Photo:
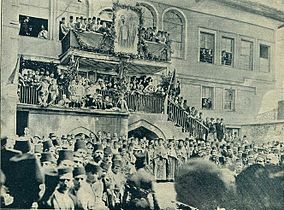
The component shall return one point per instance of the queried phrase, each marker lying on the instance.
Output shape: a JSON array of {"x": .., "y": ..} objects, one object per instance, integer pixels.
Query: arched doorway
[
  {"x": 141, "y": 132},
  {"x": 142, "y": 128}
]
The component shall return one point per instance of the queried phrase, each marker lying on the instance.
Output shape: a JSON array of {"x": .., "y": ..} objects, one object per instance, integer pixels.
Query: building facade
[{"x": 227, "y": 54}]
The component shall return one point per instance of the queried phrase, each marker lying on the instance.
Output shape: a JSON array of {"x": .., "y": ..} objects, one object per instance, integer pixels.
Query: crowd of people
[
  {"x": 81, "y": 24},
  {"x": 107, "y": 92},
  {"x": 92, "y": 172}
]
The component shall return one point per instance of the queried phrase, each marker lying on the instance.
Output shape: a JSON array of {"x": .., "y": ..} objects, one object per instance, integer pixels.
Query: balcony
[
  {"x": 150, "y": 103},
  {"x": 96, "y": 51}
]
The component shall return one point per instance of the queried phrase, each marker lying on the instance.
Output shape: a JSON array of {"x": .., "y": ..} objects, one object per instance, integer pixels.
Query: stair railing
[{"x": 183, "y": 119}]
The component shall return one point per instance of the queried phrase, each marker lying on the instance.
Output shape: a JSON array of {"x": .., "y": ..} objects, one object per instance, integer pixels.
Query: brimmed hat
[{"x": 23, "y": 145}]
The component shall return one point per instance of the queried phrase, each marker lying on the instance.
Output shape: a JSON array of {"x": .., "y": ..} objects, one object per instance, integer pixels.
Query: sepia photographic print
[{"x": 142, "y": 104}]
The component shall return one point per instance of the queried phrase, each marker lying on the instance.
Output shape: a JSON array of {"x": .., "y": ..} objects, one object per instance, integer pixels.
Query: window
[
  {"x": 148, "y": 18},
  {"x": 227, "y": 49},
  {"x": 34, "y": 27},
  {"x": 207, "y": 47},
  {"x": 229, "y": 100},
  {"x": 173, "y": 24},
  {"x": 246, "y": 59},
  {"x": 264, "y": 52},
  {"x": 207, "y": 97}
]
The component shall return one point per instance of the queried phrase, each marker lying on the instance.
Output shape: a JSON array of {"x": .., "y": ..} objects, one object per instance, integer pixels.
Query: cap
[
  {"x": 23, "y": 145},
  {"x": 47, "y": 145},
  {"x": 65, "y": 155},
  {"x": 98, "y": 147},
  {"x": 93, "y": 168},
  {"x": 77, "y": 171},
  {"x": 47, "y": 157},
  {"x": 63, "y": 171}
]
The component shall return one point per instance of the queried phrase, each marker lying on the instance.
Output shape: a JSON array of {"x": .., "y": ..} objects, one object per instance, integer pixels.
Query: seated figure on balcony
[
  {"x": 150, "y": 88},
  {"x": 44, "y": 92},
  {"x": 107, "y": 103},
  {"x": 53, "y": 91},
  {"x": 64, "y": 102},
  {"x": 121, "y": 103}
]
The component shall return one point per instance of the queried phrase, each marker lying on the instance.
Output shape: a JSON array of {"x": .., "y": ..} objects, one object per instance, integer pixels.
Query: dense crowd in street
[{"x": 93, "y": 172}]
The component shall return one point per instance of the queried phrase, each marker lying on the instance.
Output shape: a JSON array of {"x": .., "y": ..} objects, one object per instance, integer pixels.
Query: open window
[{"x": 33, "y": 26}]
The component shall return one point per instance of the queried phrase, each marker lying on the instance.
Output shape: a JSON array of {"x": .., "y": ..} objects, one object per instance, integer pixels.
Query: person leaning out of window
[{"x": 43, "y": 34}]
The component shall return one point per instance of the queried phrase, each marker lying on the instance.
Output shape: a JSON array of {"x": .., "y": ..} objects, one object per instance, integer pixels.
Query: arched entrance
[
  {"x": 141, "y": 132},
  {"x": 143, "y": 128}
]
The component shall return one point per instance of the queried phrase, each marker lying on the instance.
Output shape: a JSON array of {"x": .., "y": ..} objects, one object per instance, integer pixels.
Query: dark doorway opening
[
  {"x": 21, "y": 122},
  {"x": 141, "y": 132}
]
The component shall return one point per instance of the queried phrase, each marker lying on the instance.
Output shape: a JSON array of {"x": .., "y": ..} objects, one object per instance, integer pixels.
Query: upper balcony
[{"x": 124, "y": 39}]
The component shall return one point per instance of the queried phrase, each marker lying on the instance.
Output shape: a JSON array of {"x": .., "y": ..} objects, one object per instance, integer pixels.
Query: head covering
[
  {"x": 77, "y": 171},
  {"x": 79, "y": 144},
  {"x": 47, "y": 145},
  {"x": 107, "y": 151},
  {"x": 140, "y": 160},
  {"x": 98, "y": 147},
  {"x": 28, "y": 178},
  {"x": 117, "y": 163},
  {"x": 215, "y": 187},
  {"x": 65, "y": 155},
  {"x": 64, "y": 171},
  {"x": 47, "y": 157},
  {"x": 93, "y": 168},
  {"x": 23, "y": 145}
]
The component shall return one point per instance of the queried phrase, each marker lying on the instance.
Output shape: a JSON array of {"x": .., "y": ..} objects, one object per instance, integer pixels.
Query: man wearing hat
[
  {"x": 84, "y": 197},
  {"x": 47, "y": 160},
  {"x": 80, "y": 148},
  {"x": 160, "y": 161},
  {"x": 98, "y": 153},
  {"x": 95, "y": 184},
  {"x": 27, "y": 184},
  {"x": 118, "y": 181},
  {"x": 65, "y": 158},
  {"x": 139, "y": 193},
  {"x": 61, "y": 198}
]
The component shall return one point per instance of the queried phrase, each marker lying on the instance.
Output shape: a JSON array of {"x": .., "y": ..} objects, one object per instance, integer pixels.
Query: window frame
[
  {"x": 208, "y": 31},
  {"x": 227, "y": 36},
  {"x": 213, "y": 97},
  {"x": 184, "y": 31},
  {"x": 269, "y": 45},
  {"x": 252, "y": 41},
  {"x": 234, "y": 99}
]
